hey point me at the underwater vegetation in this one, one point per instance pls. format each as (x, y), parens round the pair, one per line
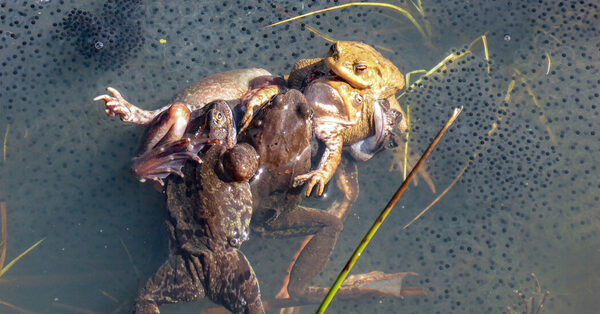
(108, 39)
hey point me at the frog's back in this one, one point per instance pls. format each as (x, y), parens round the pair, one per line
(230, 85)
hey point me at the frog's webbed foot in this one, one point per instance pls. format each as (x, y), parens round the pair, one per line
(423, 173)
(116, 105)
(314, 178)
(256, 99)
(379, 284)
(369, 285)
(160, 162)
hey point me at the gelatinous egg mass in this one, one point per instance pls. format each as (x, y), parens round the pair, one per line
(110, 38)
(527, 140)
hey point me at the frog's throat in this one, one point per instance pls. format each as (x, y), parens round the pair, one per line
(364, 126)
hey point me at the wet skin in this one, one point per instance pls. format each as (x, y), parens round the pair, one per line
(281, 133)
(359, 80)
(173, 135)
(209, 212)
(362, 77)
(162, 154)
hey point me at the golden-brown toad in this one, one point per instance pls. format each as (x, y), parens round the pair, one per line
(343, 89)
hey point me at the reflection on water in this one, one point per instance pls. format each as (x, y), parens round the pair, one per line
(527, 203)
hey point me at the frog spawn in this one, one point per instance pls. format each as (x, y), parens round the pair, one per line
(39, 100)
(109, 38)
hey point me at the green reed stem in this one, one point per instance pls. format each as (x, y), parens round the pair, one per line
(367, 238)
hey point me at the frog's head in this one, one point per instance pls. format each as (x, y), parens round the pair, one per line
(220, 122)
(240, 163)
(363, 67)
(334, 99)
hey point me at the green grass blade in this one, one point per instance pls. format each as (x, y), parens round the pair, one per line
(372, 4)
(367, 238)
(9, 265)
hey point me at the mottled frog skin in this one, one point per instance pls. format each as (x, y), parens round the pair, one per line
(344, 110)
(359, 79)
(281, 133)
(173, 135)
(162, 154)
(209, 213)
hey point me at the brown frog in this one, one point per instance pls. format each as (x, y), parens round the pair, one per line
(359, 78)
(362, 77)
(173, 133)
(209, 213)
(281, 133)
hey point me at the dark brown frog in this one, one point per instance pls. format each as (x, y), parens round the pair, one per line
(281, 134)
(209, 212)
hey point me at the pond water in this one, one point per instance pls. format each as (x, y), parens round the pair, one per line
(527, 202)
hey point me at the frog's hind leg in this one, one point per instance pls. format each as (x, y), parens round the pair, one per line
(169, 127)
(176, 280)
(369, 285)
(230, 280)
(316, 250)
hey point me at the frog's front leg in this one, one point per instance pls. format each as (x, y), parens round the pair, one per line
(332, 137)
(256, 99)
(169, 127)
(117, 105)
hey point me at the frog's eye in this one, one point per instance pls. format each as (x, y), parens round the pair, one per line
(359, 98)
(235, 242)
(359, 68)
(219, 118)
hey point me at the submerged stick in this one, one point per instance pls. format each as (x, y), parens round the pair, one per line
(3, 232)
(135, 269)
(367, 238)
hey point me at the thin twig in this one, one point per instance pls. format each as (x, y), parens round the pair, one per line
(367, 238)
(372, 4)
(135, 269)
(15, 308)
(3, 232)
(308, 27)
(4, 145)
(437, 199)
(106, 294)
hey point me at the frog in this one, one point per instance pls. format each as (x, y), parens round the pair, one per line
(159, 157)
(282, 134)
(172, 134)
(371, 128)
(359, 79)
(228, 86)
(209, 212)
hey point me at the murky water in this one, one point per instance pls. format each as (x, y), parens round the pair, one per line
(528, 201)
